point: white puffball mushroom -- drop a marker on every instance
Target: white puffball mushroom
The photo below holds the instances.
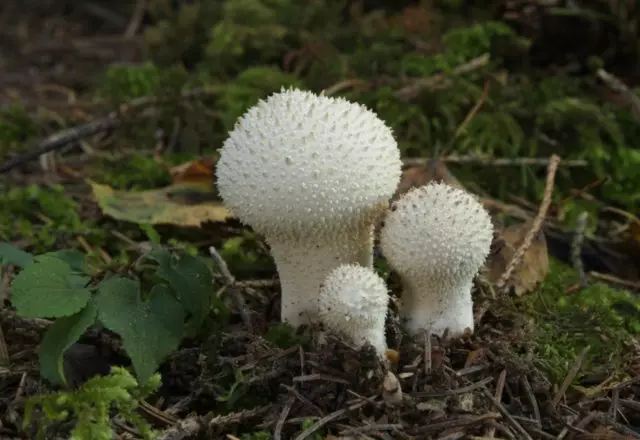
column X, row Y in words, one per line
column 353, row 303
column 437, row 237
column 312, row 174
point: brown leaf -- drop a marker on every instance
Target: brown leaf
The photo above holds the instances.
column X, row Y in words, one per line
column 535, row 263
column 415, row 176
column 199, row 171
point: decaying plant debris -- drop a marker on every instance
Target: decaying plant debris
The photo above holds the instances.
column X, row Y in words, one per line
column 253, row 379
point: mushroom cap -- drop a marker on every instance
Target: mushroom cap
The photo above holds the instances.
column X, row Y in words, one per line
column 298, row 161
column 437, row 230
column 354, row 301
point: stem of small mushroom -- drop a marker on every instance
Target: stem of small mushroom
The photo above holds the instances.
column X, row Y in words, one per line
column 429, row 304
column 303, row 265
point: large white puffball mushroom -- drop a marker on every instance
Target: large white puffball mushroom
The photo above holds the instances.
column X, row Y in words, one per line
column 437, row 237
column 353, row 303
column 312, row 174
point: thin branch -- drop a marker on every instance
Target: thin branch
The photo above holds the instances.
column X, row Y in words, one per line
column 234, row 292
column 440, row 80
column 494, row 162
column 516, row 260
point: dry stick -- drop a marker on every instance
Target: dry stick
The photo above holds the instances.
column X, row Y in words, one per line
column 622, row 89
column 576, row 248
column 111, row 121
column 498, row 395
column 508, row 417
column 500, row 162
column 61, row 139
column 277, row 433
column 234, row 293
column 329, row 418
column 412, row 90
column 571, row 374
column 532, row 400
column 516, row 260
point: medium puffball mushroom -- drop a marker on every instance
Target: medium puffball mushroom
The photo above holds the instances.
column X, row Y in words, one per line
column 311, row 174
column 436, row 237
column 353, row 303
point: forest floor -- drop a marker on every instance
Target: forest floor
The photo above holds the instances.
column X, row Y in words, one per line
column 110, row 118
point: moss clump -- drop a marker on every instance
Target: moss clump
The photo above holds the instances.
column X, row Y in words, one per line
column 43, row 216
column 601, row 317
column 137, row 172
column 16, row 128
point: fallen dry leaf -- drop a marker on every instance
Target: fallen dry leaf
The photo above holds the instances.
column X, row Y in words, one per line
column 416, row 176
column 535, row 263
column 197, row 172
column 179, row 204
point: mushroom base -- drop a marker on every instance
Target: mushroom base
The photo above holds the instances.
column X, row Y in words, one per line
column 434, row 307
column 304, row 264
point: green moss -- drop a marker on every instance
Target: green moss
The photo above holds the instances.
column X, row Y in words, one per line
column 243, row 257
column 133, row 172
column 16, row 128
column 599, row 316
column 45, row 217
column 248, row 87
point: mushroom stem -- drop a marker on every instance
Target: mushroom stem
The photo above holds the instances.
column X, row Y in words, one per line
column 304, row 263
column 437, row 306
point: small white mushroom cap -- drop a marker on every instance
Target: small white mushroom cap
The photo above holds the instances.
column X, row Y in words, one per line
column 311, row 173
column 353, row 303
column 437, row 237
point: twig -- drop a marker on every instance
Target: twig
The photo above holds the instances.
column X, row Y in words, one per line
column 428, row 362
column 494, row 162
column 615, row 280
column 412, row 90
column 277, row 433
column 516, row 260
column 622, row 89
column 571, row 374
column 576, row 248
column 234, row 293
column 184, row 429
column 508, row 417
column 111, row 121
column 136, row 19
column 61, row 139
column 491, row 432
column 329, row 418
column 532, row 400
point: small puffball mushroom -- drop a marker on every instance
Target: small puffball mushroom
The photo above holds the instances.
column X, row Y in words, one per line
column 353, row 303
column 436, row 237
column 312, row 174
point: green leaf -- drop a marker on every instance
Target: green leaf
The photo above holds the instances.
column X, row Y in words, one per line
column 190, row 278
column 76, row 260
column 9, row 254
column 59, row 337
column 49, row 288
column 150, row 329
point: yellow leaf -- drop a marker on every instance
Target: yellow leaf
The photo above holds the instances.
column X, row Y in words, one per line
column 179, row 204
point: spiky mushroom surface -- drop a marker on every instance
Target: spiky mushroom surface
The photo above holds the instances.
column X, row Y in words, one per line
column 353, row 303
column 437, row 237
column 311, row 173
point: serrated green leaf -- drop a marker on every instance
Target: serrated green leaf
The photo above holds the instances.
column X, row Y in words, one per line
column 9, row 254
column 59, row 337
column 190, row 278
column 150, row 330
column 76, row 260
column 48, row 288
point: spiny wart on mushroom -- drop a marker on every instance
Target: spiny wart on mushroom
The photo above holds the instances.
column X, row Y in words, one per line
column 312, row 174
column 437, row 239
column 353, row 303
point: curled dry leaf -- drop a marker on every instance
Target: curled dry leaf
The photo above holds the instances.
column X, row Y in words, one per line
column 391, row 389
column 534, row 266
